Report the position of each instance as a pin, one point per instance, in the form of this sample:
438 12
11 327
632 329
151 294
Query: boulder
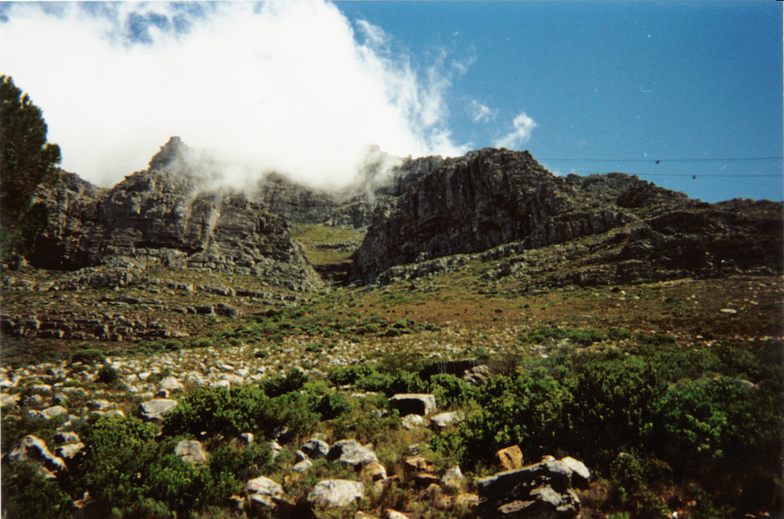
413 403
412 421
153 410
418 464
262 495
54 411
69 450
190 451
263 486
580 474
171 384
335 493
302 466
67 437
352 453
477 376
541 491
315 449
34 449
8 400
444 420
375 471
453 479
510 458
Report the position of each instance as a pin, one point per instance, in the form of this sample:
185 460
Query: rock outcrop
169 215
472 203
505 203
541 491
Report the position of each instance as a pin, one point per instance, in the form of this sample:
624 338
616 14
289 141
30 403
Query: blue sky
305 88
625 80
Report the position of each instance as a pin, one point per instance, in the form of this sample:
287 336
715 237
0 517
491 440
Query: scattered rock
335 493
171 384
153 410
190 451
510 458
352 453
315 449
413 403
542 490
34 449
444 420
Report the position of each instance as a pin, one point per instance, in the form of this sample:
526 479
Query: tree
26 161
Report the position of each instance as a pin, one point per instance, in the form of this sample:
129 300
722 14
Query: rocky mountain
168 215
420 216
496 197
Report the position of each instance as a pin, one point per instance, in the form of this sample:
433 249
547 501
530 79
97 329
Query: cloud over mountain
290 86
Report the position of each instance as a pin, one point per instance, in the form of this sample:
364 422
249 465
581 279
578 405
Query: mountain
425 209
168 214
569 347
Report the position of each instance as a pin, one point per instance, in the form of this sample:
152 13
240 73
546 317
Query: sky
688 95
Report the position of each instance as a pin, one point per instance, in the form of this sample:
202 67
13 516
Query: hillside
614 323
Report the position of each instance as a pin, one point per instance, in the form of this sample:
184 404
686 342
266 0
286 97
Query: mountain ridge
425 209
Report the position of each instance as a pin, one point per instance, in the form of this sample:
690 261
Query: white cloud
281 85
482 113
522 128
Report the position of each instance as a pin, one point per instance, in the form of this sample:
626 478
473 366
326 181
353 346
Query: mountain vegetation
27 160
465 337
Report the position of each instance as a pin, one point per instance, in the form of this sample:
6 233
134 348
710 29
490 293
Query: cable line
658 161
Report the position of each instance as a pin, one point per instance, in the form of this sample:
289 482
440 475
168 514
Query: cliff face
493 197
472 203
165 215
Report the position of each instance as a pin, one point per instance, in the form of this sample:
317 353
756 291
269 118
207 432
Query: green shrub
26 494
89 356
577 336
619 334
226 411
277 385
108 375
232 465
350 374
655 339
332 405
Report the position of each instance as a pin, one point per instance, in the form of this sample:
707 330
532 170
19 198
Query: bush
226 411
332 405
577 336
89 356
277 385
26 494
108 375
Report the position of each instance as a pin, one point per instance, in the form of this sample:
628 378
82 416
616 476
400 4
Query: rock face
472 203
168 214
493 197
541 491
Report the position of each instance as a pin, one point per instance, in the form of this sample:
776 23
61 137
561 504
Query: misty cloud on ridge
282 86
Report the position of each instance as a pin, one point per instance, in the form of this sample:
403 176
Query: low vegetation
673 403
